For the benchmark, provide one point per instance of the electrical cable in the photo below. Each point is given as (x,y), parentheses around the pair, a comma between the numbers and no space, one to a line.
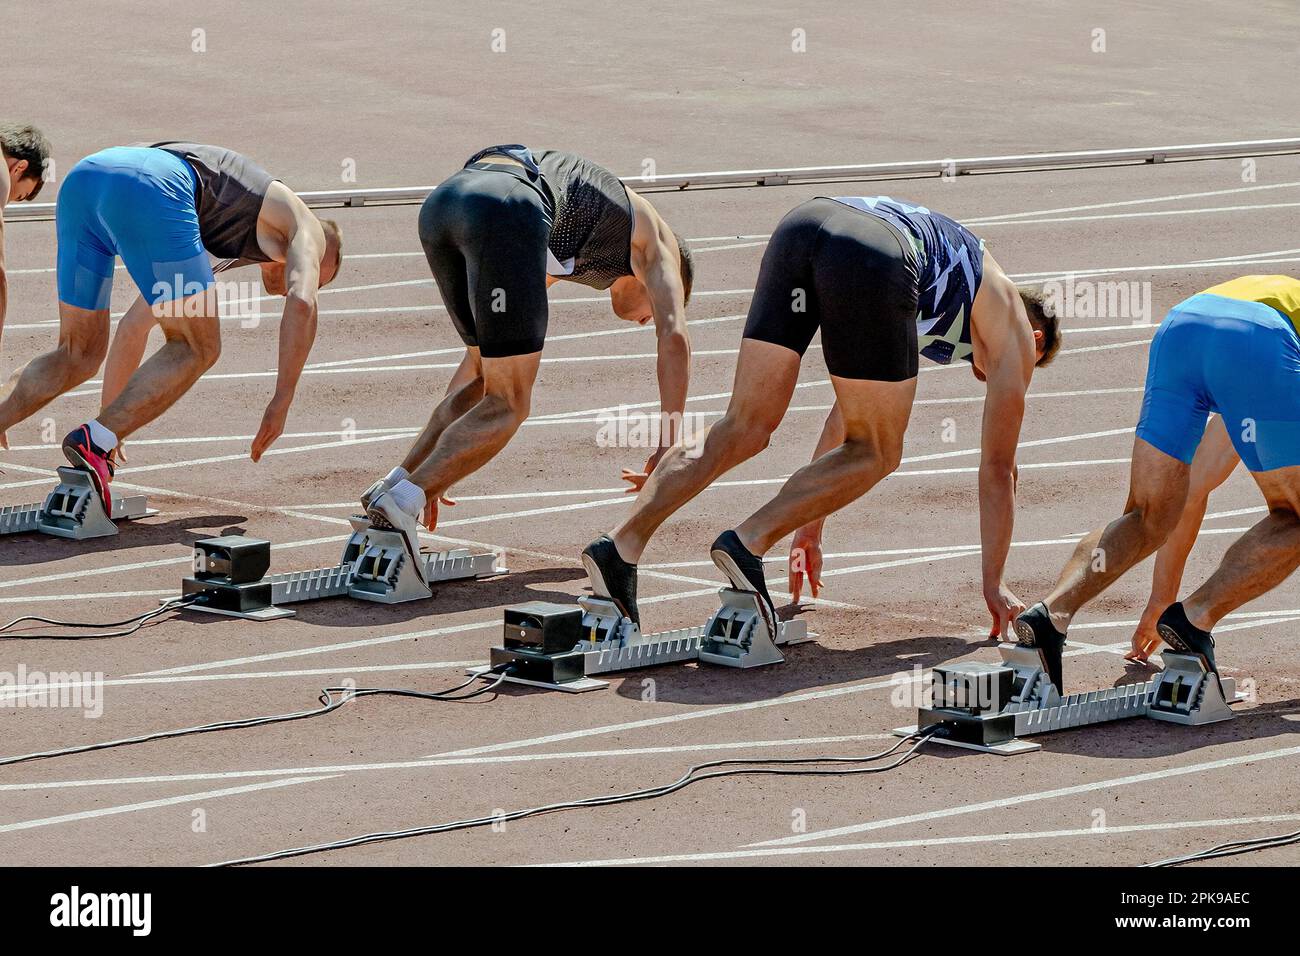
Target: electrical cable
(770,766)
(1234,848)
(328,705)
(131,624)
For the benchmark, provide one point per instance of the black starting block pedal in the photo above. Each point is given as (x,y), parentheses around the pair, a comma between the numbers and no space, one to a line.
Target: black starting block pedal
(376,566)
(561,647)
(992,707)
(73,510)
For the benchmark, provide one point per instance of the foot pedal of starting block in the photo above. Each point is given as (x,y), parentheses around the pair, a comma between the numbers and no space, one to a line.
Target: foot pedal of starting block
(737,636)
(73,510)
(1184,692)
(991,708)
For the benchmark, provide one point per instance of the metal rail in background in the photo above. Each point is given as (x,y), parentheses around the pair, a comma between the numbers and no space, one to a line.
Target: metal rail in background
(781,176)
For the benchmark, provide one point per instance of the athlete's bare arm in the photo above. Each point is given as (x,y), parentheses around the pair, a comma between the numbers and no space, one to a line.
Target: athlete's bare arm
(1213,464)
(806,546)
(655,292)
(290,233)
(1004,355)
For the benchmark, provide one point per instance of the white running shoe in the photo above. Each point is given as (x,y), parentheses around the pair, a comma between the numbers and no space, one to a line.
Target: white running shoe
(385,515)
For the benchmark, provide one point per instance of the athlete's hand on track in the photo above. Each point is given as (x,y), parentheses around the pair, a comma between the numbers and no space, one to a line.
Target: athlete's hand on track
(637,479)
(805,560)
(277,413)
(1004,608)
(430,516)
(1146,640)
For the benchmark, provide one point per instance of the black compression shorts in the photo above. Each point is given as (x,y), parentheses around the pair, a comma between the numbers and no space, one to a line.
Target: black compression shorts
(849,273)
(484,232)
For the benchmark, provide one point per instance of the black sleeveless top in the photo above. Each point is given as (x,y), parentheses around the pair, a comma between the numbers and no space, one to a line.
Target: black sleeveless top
(229,198)
(591,234)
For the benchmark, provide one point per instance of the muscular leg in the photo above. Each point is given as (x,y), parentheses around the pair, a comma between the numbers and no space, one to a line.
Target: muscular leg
(464,391)
(765,379)
(1260,559)
(83,343)
(875,416)
(1157,492)
(192,327)
(474,439)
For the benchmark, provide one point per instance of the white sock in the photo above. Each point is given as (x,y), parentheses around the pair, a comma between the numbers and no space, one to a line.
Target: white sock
(396,475)
(101,436)
(410,498)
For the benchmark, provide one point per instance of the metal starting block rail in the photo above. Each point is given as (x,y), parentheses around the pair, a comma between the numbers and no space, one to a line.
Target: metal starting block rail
(560,647)
(72,510)
(991,708)
(230,574)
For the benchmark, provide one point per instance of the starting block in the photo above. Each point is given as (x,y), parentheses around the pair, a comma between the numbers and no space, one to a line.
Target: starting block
(230,574)
(72,510)
(560,647)
(992,707)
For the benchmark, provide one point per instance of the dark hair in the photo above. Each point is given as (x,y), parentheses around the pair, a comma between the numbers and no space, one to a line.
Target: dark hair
(688,267)
(1042,316)
(27,142)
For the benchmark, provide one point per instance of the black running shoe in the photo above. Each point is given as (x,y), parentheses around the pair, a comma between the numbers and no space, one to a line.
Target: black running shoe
(1034,629)
(1185,637)
(744,570)
(611,576)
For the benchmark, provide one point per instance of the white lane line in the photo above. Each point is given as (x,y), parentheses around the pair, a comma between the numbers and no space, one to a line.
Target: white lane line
(342,670)
(1058,220)
(424,367)
(1207,210)
(1113,204)
(89,596)
(1035,277)
(159,563)
(208,439)
(1237,512)
(1109,830)
(154,804)
(320,649)
(336,769)
(460,349)
(1024,798)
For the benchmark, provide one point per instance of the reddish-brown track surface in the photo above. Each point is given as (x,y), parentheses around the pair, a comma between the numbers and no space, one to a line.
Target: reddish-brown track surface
(406,94)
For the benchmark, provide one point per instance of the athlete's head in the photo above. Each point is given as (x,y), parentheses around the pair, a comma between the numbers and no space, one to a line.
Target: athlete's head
(27,154)
(331,260)
(1046,325)
(631,300)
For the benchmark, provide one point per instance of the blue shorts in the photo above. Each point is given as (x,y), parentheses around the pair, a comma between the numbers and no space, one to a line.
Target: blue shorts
(138,204)
(1240,359)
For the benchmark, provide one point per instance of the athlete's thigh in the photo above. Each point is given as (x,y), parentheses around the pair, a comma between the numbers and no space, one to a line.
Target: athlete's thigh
(83,331)
(1281,488)
(1157,480)
(511,379)
(876,413)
